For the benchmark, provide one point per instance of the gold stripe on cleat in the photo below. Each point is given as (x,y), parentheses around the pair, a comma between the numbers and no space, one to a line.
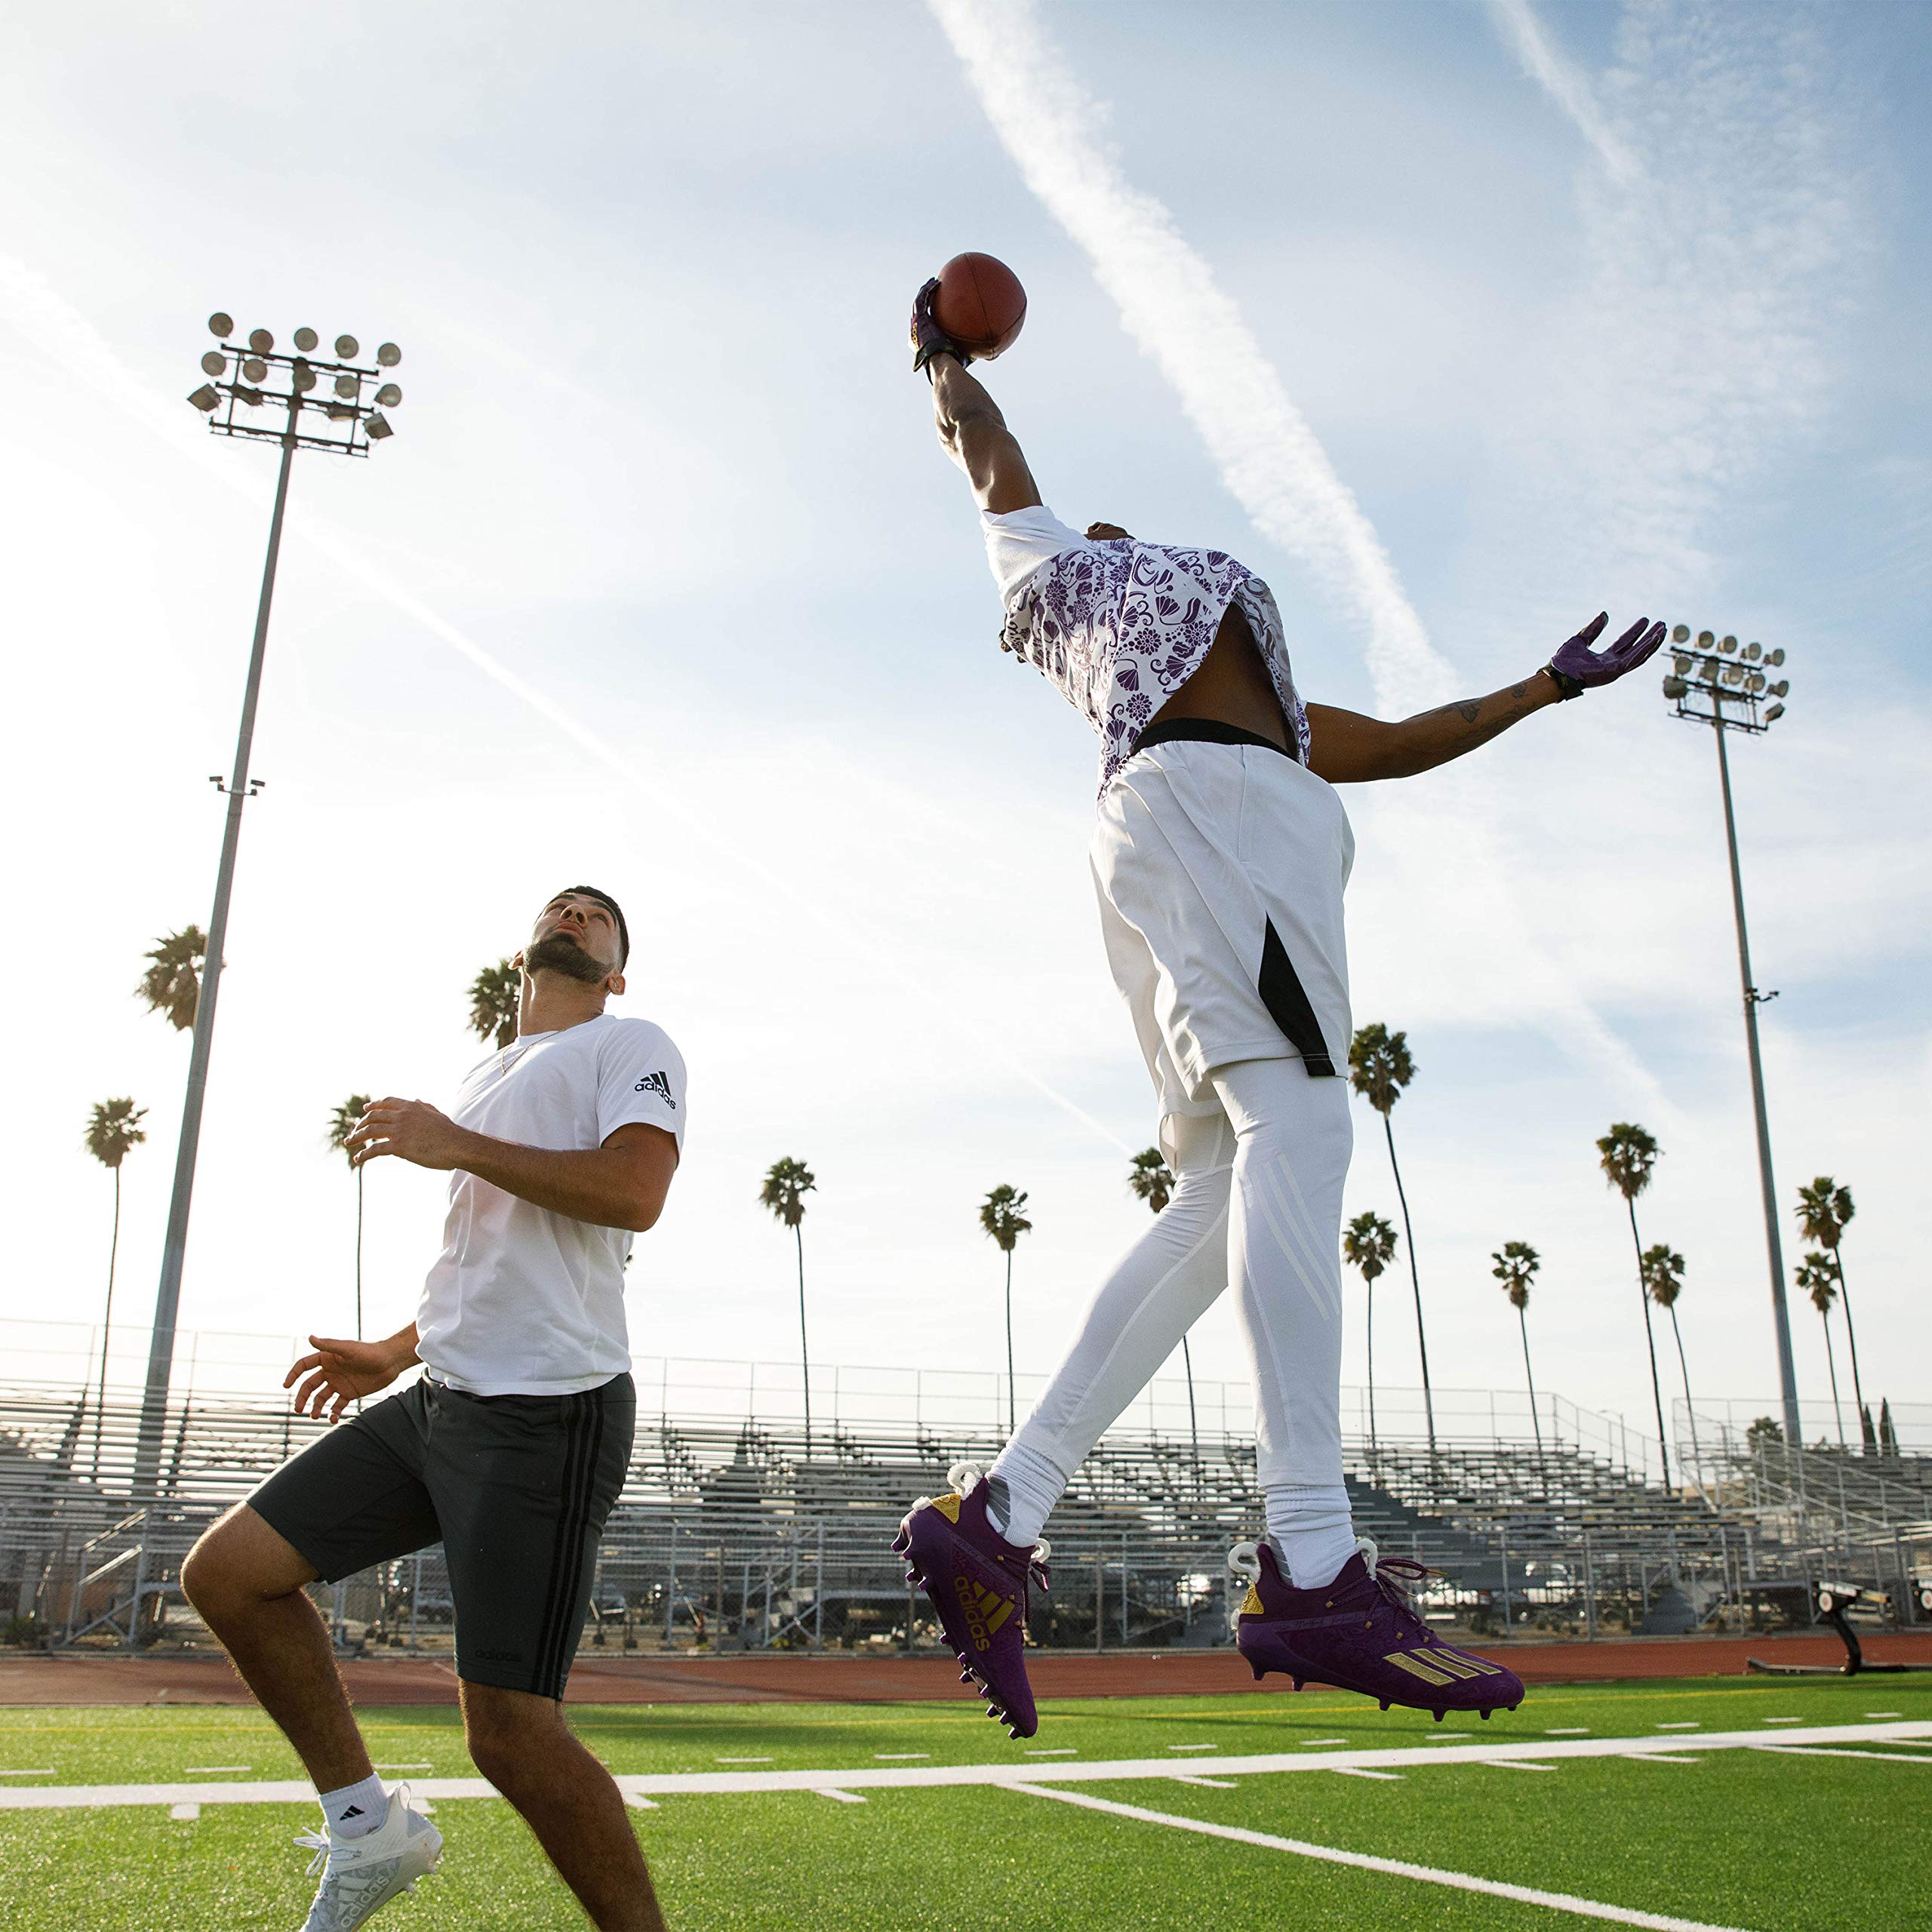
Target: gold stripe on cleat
(1417,1668)
(1448,1660)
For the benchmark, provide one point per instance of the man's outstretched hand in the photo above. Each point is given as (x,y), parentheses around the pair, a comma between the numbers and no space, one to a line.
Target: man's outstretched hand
(1577,668)
(928,339)
(340,1372)
(411,1130)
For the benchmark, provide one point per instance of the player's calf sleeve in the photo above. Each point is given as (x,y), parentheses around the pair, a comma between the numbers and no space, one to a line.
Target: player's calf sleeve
(1312,1529)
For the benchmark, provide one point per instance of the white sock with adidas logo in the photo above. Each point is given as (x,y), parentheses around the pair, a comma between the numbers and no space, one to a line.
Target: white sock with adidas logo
(356,1809)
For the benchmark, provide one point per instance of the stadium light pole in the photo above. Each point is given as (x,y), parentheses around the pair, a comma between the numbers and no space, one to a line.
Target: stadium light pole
(1715,682)
(348,420)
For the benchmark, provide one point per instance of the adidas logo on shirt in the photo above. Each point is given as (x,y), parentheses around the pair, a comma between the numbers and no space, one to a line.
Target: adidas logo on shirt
(657,1084)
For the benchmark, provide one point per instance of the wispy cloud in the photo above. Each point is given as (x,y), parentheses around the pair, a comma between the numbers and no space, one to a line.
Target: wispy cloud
(1172,307)
(1516,21)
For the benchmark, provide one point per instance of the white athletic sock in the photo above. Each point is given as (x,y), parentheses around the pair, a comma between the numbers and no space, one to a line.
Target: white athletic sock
(356,1809)
(1311,1530)
(1020,1494)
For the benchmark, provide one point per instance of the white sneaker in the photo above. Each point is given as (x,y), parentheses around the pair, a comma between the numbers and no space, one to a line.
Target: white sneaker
(359,1874)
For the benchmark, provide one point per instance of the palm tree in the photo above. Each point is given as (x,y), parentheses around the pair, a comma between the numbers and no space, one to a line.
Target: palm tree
(1378,1069)
(172,984)
(341,1123)
(494,994)
(786,1184)
(1663,1281)
(1626,1154)
(1152,1181)
(1369,1243)
(1816,1277)
(1002,1215)
(1516,1265)
(113,1128)
(1823,1209)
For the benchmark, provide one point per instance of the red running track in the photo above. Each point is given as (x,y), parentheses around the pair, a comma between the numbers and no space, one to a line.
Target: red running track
(742,1678)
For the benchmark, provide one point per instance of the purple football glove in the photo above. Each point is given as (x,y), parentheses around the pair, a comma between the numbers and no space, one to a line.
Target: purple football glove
(928,339)
(1577,668)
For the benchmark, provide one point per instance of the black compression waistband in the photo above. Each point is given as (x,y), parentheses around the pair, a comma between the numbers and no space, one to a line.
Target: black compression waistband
(1204,731)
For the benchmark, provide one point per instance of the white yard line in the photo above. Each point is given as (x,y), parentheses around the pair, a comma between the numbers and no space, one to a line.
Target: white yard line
(877,1776)
(1568,1730)
(638,1802)
(1309,1743)
(1395,1868)
(1659,1758)
(1210,1784)
(1517,1765)
(1194,1747)
(1361,1771)
(1694,1723)
(193,1770)
(33,1771)
(184,1814)
(900,1756)
(843,1796)
(1818,1751)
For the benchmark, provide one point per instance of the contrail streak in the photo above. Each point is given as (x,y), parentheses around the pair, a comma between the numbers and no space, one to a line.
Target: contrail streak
(1516,21)
(1271,460)
(1171,306)
(58,328)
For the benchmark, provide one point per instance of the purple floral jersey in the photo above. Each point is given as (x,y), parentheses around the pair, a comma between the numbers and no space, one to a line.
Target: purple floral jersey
(1119,626)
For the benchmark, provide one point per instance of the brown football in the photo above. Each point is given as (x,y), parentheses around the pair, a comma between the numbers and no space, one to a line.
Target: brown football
(980,304)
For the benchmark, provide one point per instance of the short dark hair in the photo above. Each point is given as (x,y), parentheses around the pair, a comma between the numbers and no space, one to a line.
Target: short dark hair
(616,911)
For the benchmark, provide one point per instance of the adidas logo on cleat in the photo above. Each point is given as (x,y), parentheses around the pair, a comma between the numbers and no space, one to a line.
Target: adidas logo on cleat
(985,1609)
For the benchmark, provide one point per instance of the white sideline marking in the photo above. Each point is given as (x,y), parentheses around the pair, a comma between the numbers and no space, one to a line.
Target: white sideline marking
(843,1796)
(741,1760)
(1884,1714)
(190,1770)
(1517,1765)
(1210,1784)
(1449,1736)
(1691,1723)
(892,1754)
(1783,1720)
(184,1814)
(638,1801)
(1309,1743)
(1659,1758)
(873,1777)
(375,1767)
(1194,1747)
(1568,1730)
(33,1771)
(1462,1881)
(1817,1751)
(1060,1751)
(1361,1771)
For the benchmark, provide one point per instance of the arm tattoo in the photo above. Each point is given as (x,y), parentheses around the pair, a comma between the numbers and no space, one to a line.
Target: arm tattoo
(1470,709)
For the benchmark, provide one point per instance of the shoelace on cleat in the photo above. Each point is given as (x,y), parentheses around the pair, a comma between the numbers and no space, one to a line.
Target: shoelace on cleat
(1394,1577)
(962,1476)
(318,1843)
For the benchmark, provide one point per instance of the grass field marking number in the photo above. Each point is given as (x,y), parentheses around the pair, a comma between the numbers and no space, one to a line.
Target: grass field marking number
(1394,1868)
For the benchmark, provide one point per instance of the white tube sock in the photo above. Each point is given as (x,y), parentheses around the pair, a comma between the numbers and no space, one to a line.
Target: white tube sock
(356,1809)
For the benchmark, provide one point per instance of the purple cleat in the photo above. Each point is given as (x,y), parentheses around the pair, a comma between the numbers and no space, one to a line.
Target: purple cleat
(1362,1633)
(977,1581)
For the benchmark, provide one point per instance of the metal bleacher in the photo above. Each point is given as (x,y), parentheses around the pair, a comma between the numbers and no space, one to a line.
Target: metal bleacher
(738,1529)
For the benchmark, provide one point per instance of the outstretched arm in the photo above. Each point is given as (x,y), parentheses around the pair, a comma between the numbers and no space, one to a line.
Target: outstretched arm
(1347,749)
(971,429)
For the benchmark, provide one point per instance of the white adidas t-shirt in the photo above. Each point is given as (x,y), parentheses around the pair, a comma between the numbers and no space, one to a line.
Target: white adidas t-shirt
(522,1301)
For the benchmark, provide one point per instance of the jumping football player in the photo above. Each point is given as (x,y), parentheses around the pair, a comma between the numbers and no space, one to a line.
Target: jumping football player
(1219,859)
(510,1450)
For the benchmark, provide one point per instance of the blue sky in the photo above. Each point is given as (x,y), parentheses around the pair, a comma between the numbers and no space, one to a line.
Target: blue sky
(661,459)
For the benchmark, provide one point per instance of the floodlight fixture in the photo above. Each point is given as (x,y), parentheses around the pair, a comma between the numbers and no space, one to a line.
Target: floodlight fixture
(1713,684)
(1680,633)
(245,381)
(388,396)
(1782,688)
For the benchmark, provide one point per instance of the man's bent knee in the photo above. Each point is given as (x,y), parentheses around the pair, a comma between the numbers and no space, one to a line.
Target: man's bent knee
(506,1731)
(241,1560)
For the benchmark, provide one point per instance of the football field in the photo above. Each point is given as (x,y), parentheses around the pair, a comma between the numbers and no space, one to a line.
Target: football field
(1740,1803)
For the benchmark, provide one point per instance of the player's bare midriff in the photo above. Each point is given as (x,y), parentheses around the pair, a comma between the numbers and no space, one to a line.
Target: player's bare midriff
(1232,685)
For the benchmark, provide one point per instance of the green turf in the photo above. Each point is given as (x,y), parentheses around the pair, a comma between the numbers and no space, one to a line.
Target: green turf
(1741,1839)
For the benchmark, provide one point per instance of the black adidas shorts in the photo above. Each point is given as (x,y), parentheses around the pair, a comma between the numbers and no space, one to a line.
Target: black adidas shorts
(516,1488)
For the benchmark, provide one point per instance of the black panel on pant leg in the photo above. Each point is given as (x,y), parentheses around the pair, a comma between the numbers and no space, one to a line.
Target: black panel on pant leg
(1280,989)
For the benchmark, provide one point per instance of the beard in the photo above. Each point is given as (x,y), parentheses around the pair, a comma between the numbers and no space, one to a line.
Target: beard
(560,953)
